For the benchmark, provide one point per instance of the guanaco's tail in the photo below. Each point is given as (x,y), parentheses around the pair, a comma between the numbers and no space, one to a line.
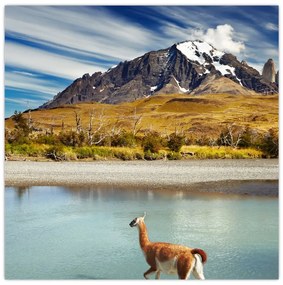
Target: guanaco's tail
(201,253)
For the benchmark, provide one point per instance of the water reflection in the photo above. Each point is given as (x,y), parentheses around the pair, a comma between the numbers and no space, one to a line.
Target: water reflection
(21,191)
(206,191)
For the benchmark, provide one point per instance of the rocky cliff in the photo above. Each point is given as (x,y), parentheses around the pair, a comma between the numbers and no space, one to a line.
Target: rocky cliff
(269,71)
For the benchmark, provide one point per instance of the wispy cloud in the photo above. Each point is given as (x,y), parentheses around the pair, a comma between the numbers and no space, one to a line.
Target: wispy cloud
(85,31)
(271,27)
(23,101)
(34,59)
(29,82)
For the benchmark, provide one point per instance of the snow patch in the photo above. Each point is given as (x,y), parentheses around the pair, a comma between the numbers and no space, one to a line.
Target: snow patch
(111,68)
(153,88)
(184,90)
(224,69)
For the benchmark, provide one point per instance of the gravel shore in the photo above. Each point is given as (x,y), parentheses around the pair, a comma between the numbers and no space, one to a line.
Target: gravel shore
(177,175)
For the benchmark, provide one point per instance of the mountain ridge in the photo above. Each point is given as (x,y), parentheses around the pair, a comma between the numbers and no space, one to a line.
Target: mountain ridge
(181,68)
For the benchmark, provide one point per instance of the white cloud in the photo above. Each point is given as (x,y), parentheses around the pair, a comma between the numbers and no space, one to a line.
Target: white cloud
(41,61)
(271,27)
(28,81)
(81,30)
(27,103)
(222,38)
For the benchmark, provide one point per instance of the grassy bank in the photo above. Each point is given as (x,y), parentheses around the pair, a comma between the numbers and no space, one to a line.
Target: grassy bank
(67,153)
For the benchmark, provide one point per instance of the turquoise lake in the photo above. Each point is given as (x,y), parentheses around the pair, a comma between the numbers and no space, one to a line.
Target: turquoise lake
(71,233)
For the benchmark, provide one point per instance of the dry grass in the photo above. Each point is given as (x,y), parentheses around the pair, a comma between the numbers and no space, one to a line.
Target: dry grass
(206,152)
(166,113)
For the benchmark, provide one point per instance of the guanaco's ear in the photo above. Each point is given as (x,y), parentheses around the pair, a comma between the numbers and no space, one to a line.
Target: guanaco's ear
(144,215)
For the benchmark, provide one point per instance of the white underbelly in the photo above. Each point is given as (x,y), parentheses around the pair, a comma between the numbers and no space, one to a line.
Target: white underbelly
(168,266)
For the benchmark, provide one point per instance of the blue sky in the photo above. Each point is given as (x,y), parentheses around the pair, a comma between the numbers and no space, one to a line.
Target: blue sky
(48,47)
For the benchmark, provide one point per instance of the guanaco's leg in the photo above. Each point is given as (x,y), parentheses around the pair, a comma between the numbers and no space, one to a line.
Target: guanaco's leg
(149,271)
(157,275)
(198,268)
(185,266)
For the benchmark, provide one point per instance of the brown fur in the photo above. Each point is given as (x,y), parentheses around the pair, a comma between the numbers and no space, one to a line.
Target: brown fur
(201,253)
(166,251)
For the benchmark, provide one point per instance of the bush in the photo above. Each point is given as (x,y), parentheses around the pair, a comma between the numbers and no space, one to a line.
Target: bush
(125,139)
(152,142)
(72,138)
(175,142)
(17,136)
(270,143)
(50,139)
(21,123)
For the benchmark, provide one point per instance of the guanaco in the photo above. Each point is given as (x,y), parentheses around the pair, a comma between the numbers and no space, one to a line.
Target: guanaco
(167,257)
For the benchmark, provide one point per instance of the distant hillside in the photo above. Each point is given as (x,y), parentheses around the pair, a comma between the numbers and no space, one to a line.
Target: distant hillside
(200,116)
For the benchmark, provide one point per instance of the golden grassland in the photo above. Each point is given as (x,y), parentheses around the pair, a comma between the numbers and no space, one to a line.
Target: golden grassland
(166,113)
(197,116)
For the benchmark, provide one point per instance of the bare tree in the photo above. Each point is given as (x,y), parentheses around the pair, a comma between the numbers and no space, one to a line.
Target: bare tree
(95,136)
(78,122)
(136,122)
(232,136)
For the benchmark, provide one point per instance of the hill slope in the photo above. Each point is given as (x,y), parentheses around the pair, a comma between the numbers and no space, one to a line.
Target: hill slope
(200,116)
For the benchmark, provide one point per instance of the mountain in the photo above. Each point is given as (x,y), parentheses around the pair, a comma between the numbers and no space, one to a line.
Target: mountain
(181,68)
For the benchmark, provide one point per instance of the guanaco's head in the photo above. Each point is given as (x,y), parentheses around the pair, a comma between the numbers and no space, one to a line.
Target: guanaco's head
(138,220)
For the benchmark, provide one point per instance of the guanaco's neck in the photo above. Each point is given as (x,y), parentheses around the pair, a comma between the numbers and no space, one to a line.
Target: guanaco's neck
(144,241)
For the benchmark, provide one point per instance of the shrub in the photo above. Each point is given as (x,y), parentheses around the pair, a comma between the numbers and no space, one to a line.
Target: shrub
(175,142)
(124,139)
(50,139)
(249,138)
(270,143)
(72,138)
(17,136)
(21,123)
(152,142)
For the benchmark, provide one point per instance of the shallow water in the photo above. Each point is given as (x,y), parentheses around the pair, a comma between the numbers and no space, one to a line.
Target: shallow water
(67,233)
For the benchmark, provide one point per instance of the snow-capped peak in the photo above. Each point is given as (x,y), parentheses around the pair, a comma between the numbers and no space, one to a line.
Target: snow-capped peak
(199,51)
(195,50)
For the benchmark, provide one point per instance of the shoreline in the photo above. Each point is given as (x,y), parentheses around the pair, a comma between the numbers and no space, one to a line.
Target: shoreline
(196,176)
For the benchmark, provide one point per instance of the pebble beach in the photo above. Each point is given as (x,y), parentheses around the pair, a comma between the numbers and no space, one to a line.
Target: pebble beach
(194,175)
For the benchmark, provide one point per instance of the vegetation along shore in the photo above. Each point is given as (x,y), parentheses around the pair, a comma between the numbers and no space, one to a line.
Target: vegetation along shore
(162,127)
